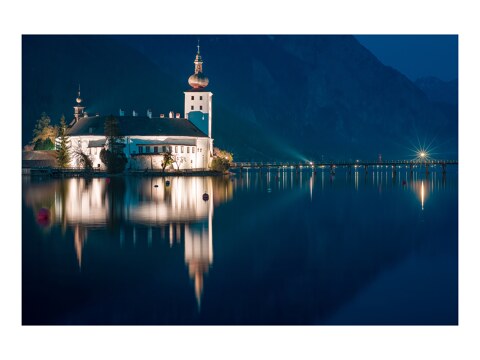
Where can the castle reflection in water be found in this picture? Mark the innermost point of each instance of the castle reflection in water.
(173, 207)
(146, 210)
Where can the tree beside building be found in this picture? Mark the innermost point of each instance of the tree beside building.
(113, 155)
(63, 145)
(83, 160)
(44, 134)
(167, 160)
(222, 160)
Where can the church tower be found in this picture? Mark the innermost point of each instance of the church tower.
(79, 109)
(198, 101)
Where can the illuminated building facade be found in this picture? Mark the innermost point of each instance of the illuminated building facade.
(147, 138)
(198, 101)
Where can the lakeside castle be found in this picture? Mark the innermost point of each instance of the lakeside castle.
(189, 139)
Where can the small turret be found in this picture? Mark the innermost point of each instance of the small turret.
(79, 109)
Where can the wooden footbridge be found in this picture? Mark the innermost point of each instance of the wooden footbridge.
(332, 165)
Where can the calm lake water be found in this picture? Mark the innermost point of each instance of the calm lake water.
(265, 248)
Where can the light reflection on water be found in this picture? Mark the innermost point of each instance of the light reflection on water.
(176, 208)
(145, 212)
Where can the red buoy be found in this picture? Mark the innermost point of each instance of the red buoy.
(43, 217)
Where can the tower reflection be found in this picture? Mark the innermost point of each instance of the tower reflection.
(171, 207)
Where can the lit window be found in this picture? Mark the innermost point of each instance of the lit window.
(193, 97)
(155, 149)
(201, 107)
(140, 149)
(201, 97)
(191, 107)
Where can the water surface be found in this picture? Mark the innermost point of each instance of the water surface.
(279, 247)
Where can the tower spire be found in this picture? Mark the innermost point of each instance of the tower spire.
(79, 99)
(198, 60)
(79, 107)
(198, 80)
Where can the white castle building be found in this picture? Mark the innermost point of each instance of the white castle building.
(189, 139)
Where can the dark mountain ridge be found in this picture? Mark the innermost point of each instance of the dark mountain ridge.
(438, 90)
(275, 97)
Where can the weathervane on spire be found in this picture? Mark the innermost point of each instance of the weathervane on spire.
(198, 46)
(79, 99)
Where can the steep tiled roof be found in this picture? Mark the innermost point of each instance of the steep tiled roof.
(136, 125)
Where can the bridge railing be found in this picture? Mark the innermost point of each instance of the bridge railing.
(288, 164)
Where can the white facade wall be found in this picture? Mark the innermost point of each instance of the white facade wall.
(82, 142)
(205, 103)
(190, 152)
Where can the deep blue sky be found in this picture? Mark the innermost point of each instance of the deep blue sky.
(416, 55)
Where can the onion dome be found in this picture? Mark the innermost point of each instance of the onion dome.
(198, 80)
